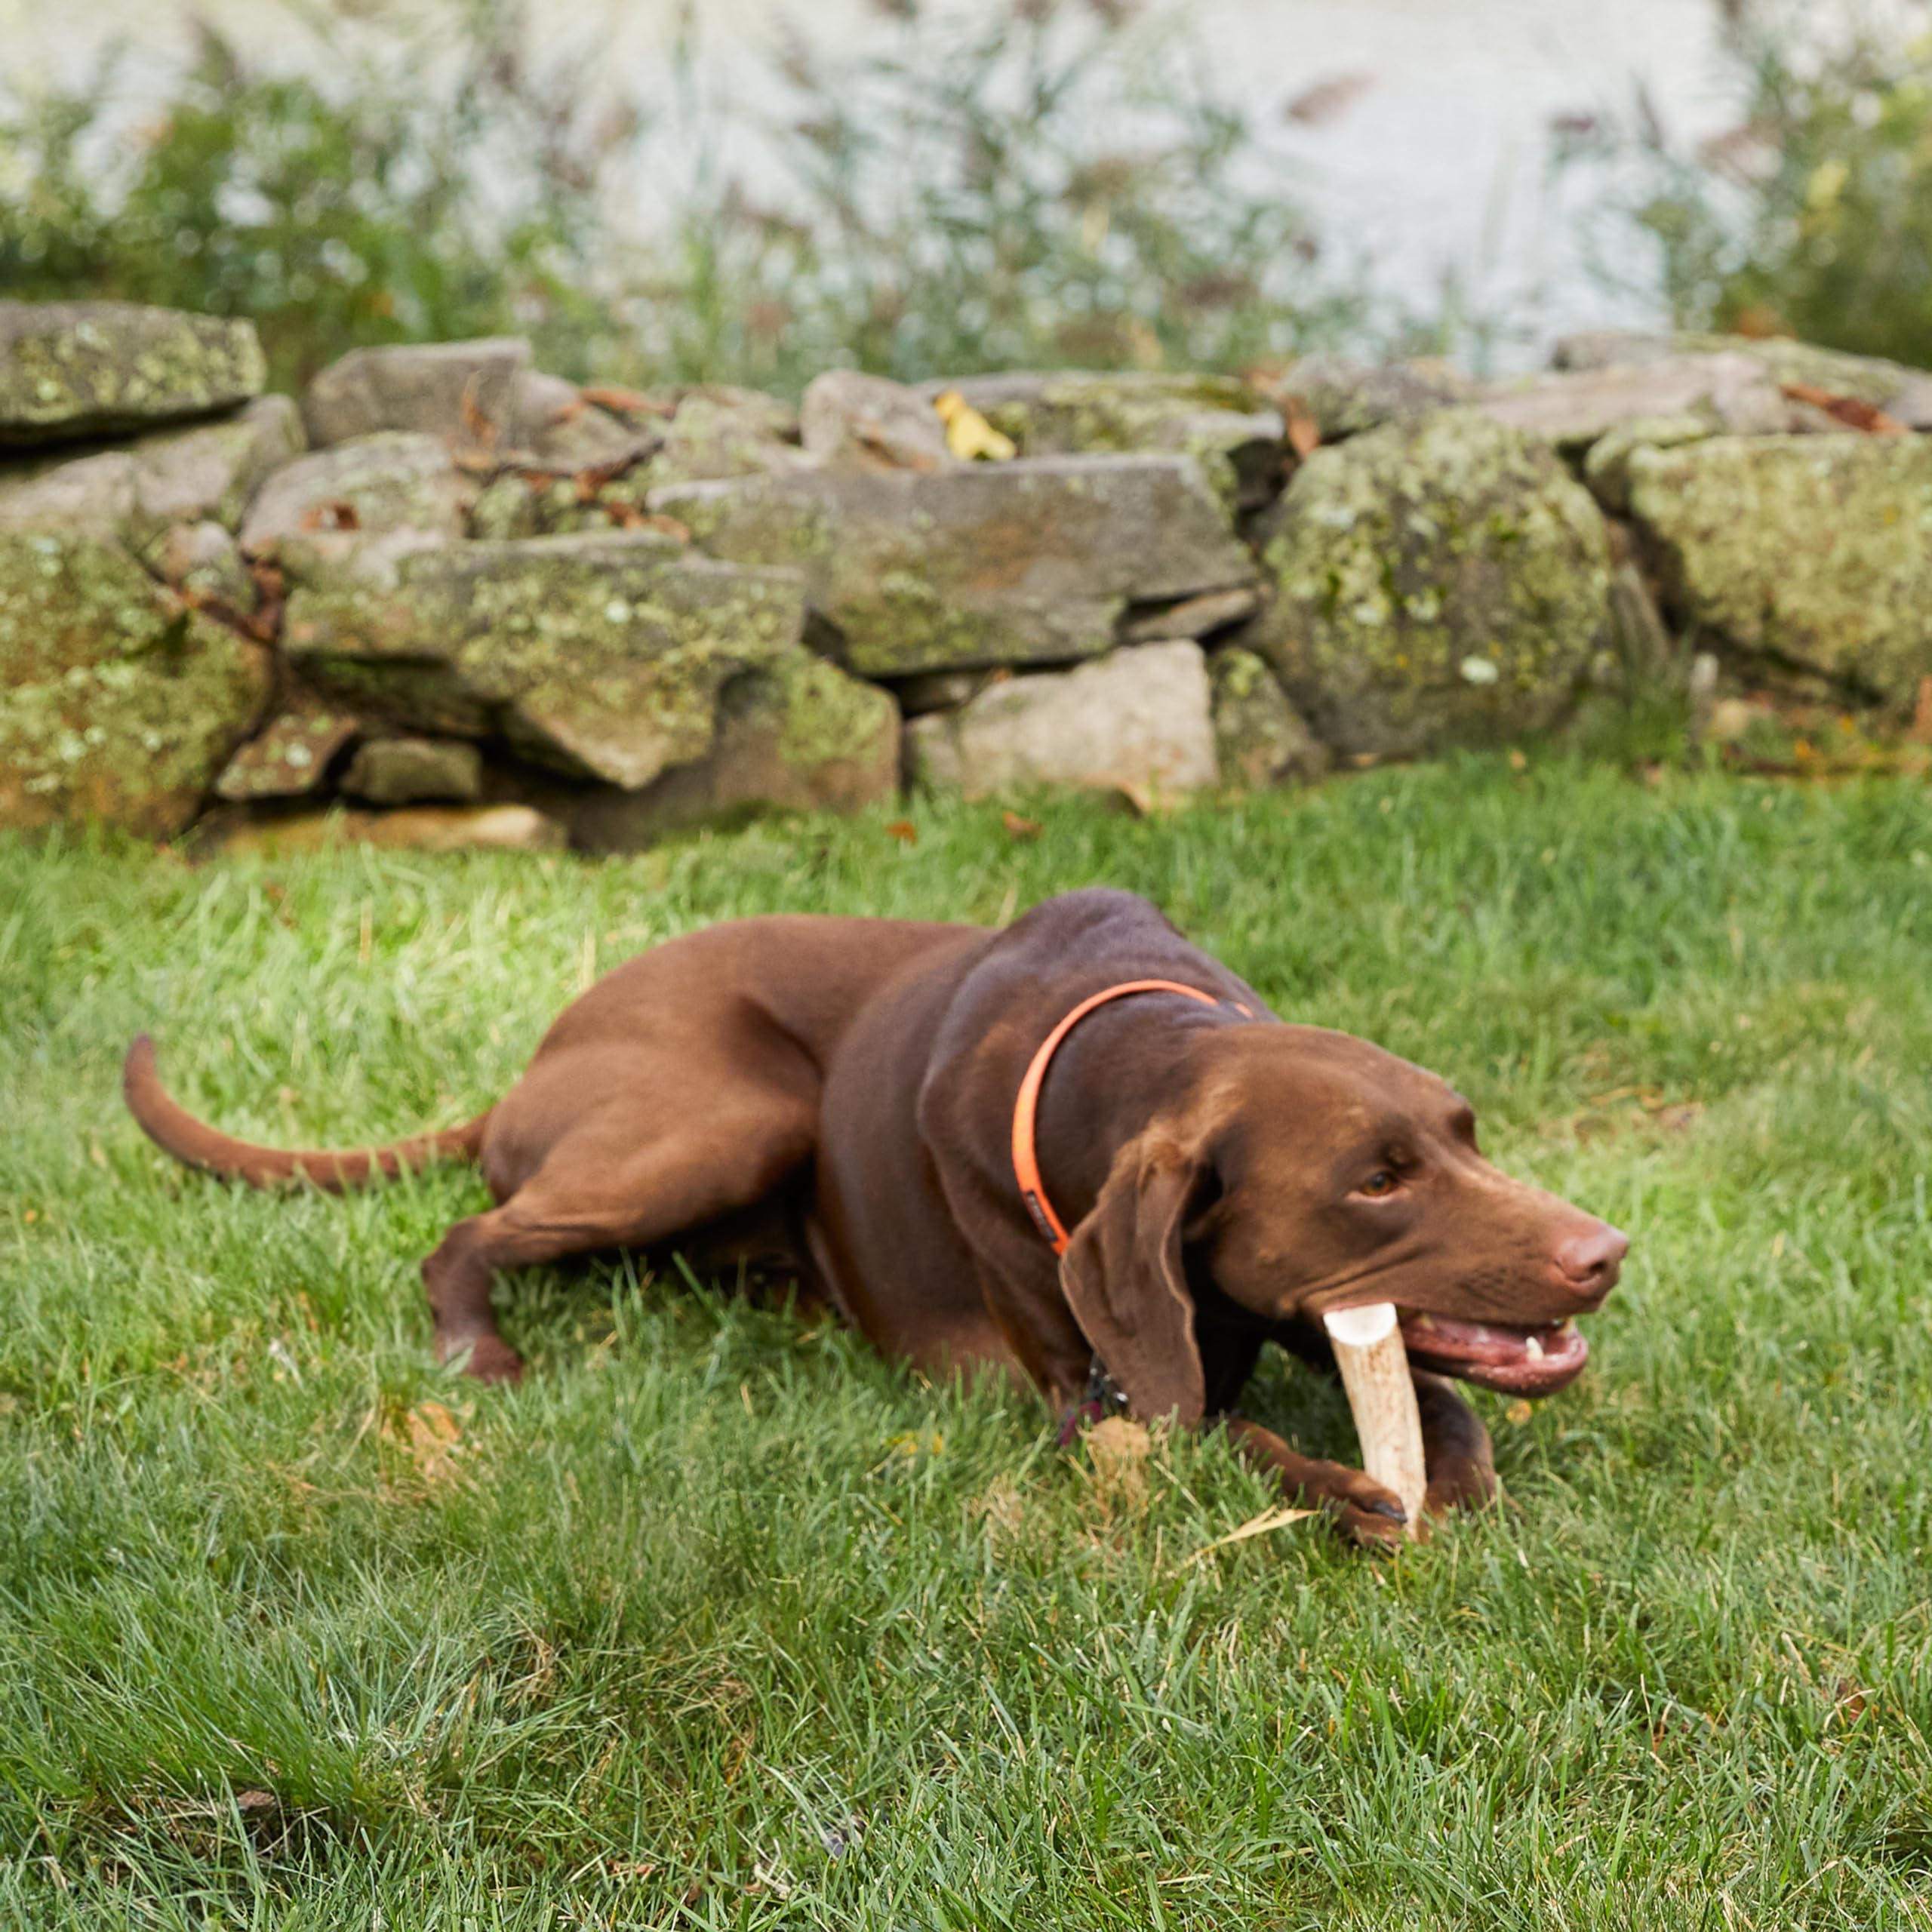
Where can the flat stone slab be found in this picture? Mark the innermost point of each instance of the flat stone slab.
(1813, 550)
(1138, 722)
(117, 704)
(69, 370)
(603, 657)
(1028, 562)
(412, 770)
(207, 473)
(1219, 420)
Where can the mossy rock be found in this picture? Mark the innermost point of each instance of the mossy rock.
(1813, 552)
(117, 705)
(1260, 739)
(988, 564)
(69, 370)
(1438, 583)
(604, 657)
(796, 734)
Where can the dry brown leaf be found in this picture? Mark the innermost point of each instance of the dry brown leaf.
(337, 514)
(904, 830)
(626, 402)
(1017, 827)
(1255, 1526)
(482, 431)
(1846, 409)
(1304, 432)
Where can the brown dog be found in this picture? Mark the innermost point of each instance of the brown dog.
(844, 1091)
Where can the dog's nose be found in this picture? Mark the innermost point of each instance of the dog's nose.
(1589, 1262)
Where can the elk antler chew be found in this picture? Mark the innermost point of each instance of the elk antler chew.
(1375, 1371)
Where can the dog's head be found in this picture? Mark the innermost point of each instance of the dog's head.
(1305, 1171)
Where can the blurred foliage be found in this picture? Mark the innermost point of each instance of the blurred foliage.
(412, 192)
(1813, 216)
(1055, 185)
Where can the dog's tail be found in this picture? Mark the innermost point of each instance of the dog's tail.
(171, 1127)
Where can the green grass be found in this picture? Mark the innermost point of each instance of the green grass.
(720, 1622)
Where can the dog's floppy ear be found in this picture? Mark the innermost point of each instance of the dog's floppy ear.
(1122, 1277)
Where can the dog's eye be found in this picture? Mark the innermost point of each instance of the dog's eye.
(1378, 1184)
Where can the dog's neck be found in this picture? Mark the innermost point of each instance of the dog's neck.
(1119, 1068)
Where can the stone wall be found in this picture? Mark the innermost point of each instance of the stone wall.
(452, 599)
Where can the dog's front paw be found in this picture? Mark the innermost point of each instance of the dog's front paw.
(487, 1357)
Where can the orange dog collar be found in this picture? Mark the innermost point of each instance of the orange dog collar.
(1026, 1108)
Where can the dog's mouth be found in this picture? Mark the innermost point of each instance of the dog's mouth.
(1531, 1359)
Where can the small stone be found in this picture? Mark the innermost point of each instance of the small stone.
(1193, 616)
(205, 561)
(1260, 739)
(407, 771)
(291, 756)
(69, 370)
(391, 481)
(871, 423)
(1137, 722)
(1346, 399)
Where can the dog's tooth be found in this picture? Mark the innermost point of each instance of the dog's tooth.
(1533, 1348)
(1424, 1321)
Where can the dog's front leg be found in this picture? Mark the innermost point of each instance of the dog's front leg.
(1456, 1450)
(1365, 1510)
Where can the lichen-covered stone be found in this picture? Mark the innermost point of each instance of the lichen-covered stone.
(392, 481)
(602, 656)
(289, 756)
(117, 704)
(1729, 393)
(1438, 583)
(206, 473)
(846, 417)
(1260, 739)
(796, 735)
(1137, 722)
(412, 770)
(1013, 563)
(1812, 551)
(1219, 420)
(74, 369)
(1347, 398)
(1904, 394)
(717, 431)
(1607, 466)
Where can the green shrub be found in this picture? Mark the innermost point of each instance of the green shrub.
(1049, 186)
(1814, 217)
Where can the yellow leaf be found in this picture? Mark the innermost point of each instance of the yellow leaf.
(968, 435)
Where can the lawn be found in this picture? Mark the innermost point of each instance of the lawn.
(717, 1621)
